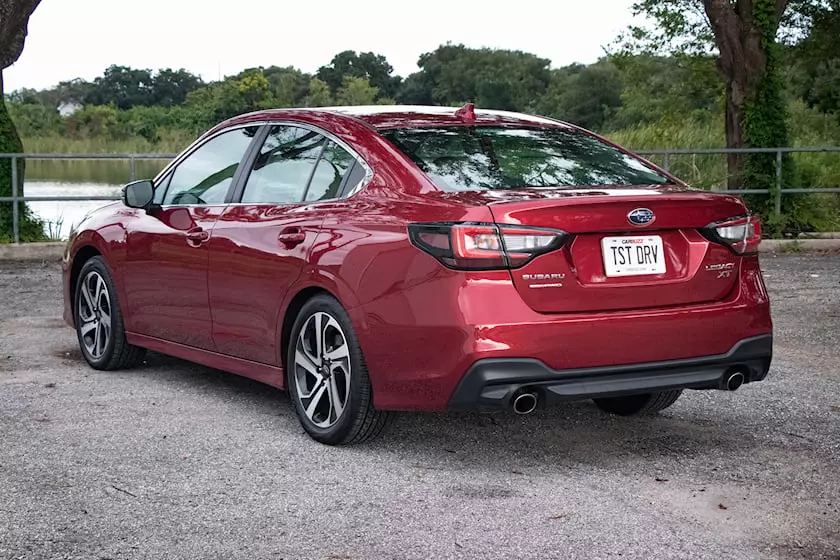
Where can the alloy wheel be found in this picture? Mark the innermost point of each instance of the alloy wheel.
(322, 369)
(94, 312)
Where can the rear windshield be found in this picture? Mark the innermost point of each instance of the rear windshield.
(460, 158)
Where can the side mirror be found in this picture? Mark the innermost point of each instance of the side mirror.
(138, 194)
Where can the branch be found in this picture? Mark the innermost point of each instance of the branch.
(781, 6)
(725, 27)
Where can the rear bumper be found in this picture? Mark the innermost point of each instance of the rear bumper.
(492, 383)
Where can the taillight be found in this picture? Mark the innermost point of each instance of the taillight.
(482, 246)
(742, 235)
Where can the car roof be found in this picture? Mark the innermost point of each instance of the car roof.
(384, 117)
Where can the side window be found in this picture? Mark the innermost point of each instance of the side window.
(205, 175)
(332, 168)
(284, 165)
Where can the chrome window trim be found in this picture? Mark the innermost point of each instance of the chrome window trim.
(201, 140)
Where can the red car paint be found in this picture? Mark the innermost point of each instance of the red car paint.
(219, 284)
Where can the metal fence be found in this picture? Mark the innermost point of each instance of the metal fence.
(666, 156)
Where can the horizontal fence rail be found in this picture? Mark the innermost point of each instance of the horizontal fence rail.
(666, 155)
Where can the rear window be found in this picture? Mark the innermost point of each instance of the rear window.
(461, 158)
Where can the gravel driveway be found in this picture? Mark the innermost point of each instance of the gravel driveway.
(175, 460)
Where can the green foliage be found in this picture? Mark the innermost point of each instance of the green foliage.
(584, 95)
(817, 59)
(357, 91)
(371, 67)
(494, 79)
(765, 125)
(319, 94)
(671, 88)
(127, 87)
(643, 101)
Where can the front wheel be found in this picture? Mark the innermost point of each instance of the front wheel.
(327, 377)
(647, 403)
(99, 321)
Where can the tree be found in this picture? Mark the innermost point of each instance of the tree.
(492, 79)
(289, 85)
(583, 95)
(123, 86)
(370, 66)
(358, 91)
(319, 94)
(171, 87)
(670, 89)
(818, 55)
(14, 22)
(744, 35)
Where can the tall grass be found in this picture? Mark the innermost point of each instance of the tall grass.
(170, 143)
(808, 128)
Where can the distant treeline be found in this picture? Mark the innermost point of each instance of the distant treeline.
(642, 101)
(619, 92)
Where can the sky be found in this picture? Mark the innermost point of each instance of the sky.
(212, 38)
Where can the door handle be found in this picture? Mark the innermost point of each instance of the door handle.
(291, 236)
(197, 236)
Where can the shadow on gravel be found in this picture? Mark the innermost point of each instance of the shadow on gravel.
(574, 434)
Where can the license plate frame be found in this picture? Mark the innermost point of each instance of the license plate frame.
(633, 255)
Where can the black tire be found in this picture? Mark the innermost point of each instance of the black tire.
(358, 421)
(648, 403)
(116, 353)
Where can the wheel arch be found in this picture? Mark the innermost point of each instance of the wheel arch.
(290, 315)
(82, 255)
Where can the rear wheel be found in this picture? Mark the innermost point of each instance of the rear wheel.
(99, 321)
(648, 403)
(328, 379)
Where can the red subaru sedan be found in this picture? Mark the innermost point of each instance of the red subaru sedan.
(379, 259)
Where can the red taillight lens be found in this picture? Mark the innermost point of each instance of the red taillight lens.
(484, 246)
(742, 235)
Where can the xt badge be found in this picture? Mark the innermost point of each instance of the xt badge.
(724, 270)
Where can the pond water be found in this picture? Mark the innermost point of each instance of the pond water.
(78, 178)
(59, 217)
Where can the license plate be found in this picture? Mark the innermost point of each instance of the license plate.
(633, 255)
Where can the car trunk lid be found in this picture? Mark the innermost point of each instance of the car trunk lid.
(611, 263)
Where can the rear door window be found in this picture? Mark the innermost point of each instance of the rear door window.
(284, 166)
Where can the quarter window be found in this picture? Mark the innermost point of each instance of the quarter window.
(334, 165)
(205, 175)
(284, 166)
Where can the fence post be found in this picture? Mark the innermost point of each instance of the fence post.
(15, 209)
(131, 173)
(666, 161)
(778, 195)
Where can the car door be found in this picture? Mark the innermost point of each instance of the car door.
(166, 246)
(261, 243)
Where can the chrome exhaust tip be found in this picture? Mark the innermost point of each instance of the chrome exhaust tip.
(734, 381)
(525, 403)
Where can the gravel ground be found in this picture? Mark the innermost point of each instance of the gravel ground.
(174, 460)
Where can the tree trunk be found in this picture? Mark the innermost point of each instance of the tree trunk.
(734, 137)
(14, 19)
(30, 228)
(742, 60)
